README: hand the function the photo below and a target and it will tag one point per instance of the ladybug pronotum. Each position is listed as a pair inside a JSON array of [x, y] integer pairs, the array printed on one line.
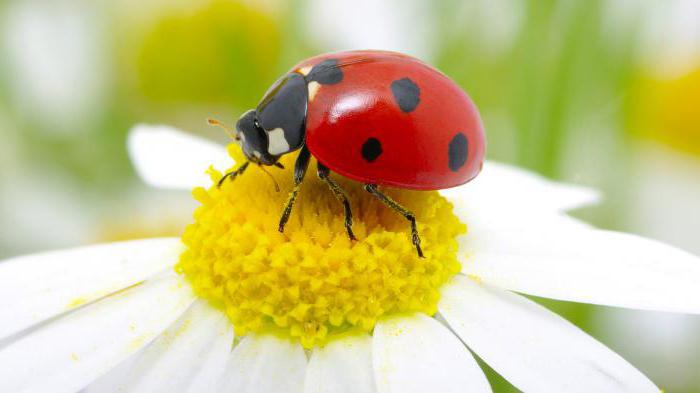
[[380, 118]]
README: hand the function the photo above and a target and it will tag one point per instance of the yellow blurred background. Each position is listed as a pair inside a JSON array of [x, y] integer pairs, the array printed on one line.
[[600, 93]]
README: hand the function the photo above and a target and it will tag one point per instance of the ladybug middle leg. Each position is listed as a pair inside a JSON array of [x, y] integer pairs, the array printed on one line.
[[372, 189], [300, 166], [323, 173]]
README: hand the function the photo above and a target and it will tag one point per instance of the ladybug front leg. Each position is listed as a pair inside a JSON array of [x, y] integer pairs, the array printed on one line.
[[323, 173], [300, 166], [232, 175], [372, 189]]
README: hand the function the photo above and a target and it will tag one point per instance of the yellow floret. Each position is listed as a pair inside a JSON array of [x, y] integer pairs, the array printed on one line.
[[312, 283]]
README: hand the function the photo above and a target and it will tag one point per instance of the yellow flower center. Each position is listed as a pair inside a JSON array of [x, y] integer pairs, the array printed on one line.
[[312, 283]]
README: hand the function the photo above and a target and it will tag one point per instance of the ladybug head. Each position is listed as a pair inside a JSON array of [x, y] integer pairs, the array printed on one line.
[[254, 140], [277, 125]]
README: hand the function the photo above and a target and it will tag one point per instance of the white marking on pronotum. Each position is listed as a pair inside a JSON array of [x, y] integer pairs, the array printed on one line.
[[304, 70], [313, 89], [277, 143]]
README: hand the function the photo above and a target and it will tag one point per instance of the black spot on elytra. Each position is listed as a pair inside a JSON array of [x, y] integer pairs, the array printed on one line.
[[371, 149], [326, 72], [406, 93], [457, 151]]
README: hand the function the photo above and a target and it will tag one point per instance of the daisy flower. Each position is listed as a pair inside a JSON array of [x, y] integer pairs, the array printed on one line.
[[236, 306]]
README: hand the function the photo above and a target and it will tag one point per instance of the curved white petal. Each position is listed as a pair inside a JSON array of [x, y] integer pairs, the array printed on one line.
[[512, 185], [265, 364], [165, 157], [67, 354], [533, 348], [503, 196], [36, 287], [591, 266], [480, 217], [418, 354], [190, 356], [342, 366]]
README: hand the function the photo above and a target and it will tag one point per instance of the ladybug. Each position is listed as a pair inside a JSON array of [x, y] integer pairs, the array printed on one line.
[[377, 117]]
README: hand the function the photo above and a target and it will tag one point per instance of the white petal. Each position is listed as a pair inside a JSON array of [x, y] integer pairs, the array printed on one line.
[[265, 364], [168, 158], [419, 354], [590, 266], [36, 287], [512, 184], [342, 366], [189, 356], [70, 352], [503, 196], [533, 348]]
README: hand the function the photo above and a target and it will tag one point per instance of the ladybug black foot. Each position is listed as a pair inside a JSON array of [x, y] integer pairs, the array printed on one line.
[[350, 234], [288, 208], [348, 219], [416, 242]]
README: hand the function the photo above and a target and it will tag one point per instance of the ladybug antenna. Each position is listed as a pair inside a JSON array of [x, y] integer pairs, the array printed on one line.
[[277, 186], [230, 132]]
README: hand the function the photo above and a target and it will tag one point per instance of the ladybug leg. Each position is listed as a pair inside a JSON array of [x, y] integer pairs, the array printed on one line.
[[323, 173], [372, 189], [300, 166], [233, 174]]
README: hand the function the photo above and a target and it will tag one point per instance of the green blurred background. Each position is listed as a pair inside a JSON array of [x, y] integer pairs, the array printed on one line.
[[604, 94]]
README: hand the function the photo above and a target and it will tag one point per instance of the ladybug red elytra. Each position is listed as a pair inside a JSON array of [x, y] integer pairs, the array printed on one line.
[[377, 117]]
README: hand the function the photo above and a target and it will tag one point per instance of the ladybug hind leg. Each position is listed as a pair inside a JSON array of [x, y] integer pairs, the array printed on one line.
[[372, 189], [324, 174]]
